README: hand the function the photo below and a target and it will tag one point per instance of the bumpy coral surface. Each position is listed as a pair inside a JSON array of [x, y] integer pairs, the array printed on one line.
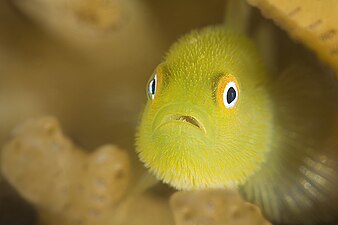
[[68, 185], [312, 22], [217, 207]]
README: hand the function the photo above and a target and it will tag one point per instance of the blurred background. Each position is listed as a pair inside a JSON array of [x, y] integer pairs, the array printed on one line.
[[87, 62]]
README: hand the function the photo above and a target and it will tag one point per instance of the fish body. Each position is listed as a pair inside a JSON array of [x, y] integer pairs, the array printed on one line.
[[216, 118]]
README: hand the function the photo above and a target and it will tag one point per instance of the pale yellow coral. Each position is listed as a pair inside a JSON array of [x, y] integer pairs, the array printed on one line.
[[98, 15], [312, 22], [214, 207], [68, 185]]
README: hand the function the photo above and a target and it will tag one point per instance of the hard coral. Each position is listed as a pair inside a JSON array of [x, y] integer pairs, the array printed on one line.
[[214, 207], [68, 185], [312, 22], [64, 181]]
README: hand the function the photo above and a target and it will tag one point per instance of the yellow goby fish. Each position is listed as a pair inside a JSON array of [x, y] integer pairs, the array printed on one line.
[[215, 118]]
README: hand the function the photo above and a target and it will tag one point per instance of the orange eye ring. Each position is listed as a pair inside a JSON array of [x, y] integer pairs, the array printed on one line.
[[228, 92]]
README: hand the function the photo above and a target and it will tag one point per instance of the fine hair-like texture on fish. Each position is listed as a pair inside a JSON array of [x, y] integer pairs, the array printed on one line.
[[217, 118]]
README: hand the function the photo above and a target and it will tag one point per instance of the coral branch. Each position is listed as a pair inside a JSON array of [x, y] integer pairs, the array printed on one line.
[[214, 207]]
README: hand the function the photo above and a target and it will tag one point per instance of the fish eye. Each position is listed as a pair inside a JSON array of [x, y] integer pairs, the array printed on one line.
[[230, 95], [228, 91], [152, 86]]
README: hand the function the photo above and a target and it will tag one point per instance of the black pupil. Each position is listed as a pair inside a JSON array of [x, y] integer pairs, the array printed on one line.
[[231, 95], [152, 86]]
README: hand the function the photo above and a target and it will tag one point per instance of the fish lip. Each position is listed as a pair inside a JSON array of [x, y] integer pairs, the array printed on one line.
[[192, 120]]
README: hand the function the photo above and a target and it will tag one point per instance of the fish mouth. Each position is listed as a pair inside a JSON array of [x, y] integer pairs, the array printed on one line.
[[191, 120]]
